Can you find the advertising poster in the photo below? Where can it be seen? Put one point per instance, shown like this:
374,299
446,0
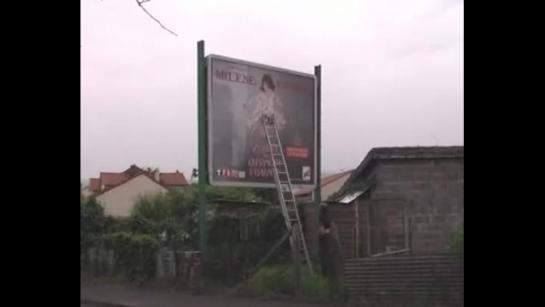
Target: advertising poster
239,93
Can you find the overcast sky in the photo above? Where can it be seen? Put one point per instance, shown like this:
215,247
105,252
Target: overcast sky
392,73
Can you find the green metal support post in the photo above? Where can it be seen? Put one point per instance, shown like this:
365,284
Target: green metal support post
318,191
203,168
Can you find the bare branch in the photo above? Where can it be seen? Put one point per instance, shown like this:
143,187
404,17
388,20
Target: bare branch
140,2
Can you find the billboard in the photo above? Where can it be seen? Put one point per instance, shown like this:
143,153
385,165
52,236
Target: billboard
239,92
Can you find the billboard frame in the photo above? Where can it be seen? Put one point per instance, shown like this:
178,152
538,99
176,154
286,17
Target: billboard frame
209,124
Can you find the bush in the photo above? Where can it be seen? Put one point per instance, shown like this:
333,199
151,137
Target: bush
280,280
457,239
91,224
134,254
315,286
169,216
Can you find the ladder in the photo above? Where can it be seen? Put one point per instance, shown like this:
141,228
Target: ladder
285,192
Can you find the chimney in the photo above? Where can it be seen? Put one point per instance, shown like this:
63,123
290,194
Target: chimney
156,175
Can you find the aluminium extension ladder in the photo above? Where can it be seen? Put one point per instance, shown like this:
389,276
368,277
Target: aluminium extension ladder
285,192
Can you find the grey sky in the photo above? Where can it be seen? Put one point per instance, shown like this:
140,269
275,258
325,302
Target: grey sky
392,73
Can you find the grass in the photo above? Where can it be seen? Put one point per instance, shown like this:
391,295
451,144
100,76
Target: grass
279,280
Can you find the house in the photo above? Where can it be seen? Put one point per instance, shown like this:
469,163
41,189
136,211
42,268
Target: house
86,191
400,200
118,192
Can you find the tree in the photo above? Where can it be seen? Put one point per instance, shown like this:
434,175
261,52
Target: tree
151,170
172,219
140,4
168,217
92,223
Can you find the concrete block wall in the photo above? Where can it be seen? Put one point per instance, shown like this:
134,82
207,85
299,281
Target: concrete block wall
433,191
386,231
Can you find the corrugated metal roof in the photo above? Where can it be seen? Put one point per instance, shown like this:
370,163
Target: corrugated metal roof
350,197
417,152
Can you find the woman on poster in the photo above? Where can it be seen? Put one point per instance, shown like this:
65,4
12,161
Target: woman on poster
267,103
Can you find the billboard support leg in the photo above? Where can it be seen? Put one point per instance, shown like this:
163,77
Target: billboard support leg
202,171
318,191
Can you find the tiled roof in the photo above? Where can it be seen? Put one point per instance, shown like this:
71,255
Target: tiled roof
112,179
172,179
94,184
